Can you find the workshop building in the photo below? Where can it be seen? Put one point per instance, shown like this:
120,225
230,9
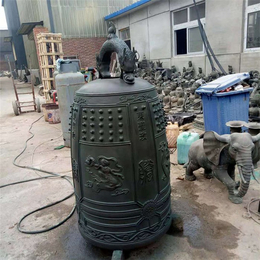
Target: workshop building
167,30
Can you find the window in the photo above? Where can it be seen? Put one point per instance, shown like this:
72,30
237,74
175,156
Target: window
186,32
124,34
253,2
252,25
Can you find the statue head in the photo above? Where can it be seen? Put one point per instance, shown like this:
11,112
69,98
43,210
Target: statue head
200,70
190,63
184,69
174,69
151,64
230,69
159,64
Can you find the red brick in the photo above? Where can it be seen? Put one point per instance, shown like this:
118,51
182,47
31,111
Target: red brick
84,48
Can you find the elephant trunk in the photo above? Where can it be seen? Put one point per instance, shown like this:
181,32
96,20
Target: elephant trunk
245,181
245,167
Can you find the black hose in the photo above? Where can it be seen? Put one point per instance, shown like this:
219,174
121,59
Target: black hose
53,175
207,44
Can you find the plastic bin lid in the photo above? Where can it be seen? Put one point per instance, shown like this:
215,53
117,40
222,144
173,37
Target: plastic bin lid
222,83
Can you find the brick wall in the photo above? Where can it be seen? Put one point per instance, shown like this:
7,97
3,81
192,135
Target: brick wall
85,48
4,65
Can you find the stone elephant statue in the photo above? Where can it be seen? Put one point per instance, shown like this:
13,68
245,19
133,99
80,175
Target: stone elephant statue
218,155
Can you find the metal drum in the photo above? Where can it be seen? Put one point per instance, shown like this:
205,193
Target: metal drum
120,157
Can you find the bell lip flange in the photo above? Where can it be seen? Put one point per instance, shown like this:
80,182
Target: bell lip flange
235,124
128,246
253,125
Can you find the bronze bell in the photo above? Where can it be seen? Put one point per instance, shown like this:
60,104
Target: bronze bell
119,154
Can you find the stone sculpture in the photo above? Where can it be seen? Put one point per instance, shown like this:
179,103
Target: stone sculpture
183,72
167,100
189,71
201,75
187,82
160,94
230,70
218,155
159,64
144,63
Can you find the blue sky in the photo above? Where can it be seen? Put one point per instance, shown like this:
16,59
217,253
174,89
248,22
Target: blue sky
3,25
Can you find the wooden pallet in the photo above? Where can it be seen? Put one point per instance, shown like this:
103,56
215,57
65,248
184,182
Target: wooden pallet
50,49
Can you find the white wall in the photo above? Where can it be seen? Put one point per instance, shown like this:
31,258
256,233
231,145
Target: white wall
160,36
250,61
123,22
138,15
224,25
140,38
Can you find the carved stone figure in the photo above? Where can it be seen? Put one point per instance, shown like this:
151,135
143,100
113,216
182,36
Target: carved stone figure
179,92
189,71
201,75
185,84
190,97
230,70
144,63
213,75
173,85
158,76
167,100
160,94
180,102
152,64
174,99
173,68
175,74
194,86
183,72
218,155
159,64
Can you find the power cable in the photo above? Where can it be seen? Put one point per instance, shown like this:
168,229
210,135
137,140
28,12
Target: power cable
249,211
207,44
53,175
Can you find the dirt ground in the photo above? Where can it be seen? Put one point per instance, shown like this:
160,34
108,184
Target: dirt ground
214,228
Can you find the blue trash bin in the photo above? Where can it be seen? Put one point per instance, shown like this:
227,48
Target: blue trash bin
221,107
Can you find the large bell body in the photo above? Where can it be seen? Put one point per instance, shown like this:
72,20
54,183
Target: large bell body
120,163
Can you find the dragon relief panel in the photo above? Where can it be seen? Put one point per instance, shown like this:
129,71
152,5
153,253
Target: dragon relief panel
106,174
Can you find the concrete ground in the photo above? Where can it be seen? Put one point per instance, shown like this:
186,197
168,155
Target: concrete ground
214,228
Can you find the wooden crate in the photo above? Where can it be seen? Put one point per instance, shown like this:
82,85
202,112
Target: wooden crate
50,49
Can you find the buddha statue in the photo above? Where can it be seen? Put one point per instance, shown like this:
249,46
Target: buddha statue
200,75
189,71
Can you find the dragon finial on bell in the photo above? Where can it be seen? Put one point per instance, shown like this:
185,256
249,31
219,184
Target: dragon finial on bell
111,31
